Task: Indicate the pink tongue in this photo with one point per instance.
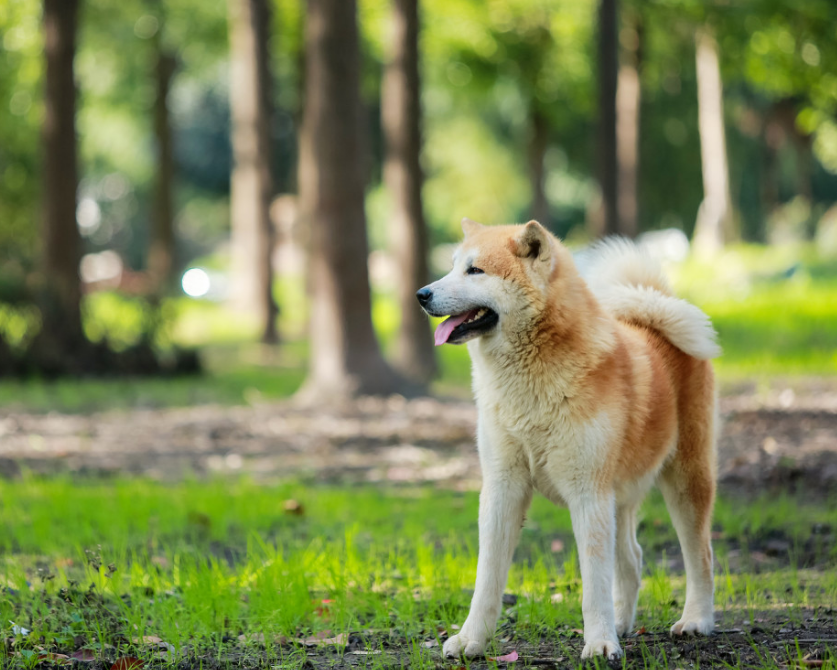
(444, 329)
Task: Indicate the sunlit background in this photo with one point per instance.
(505, 86)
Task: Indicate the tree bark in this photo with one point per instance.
(538, 144)
(401, 116)
(61, 251)
(628, 98)
(608, 67)
(714, 220)
(161, 251)
(345, 358)
(251, 188)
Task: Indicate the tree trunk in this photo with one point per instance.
(714, 219)
(401, 116)
(628, 98)
(61, 252)
(608, 66)
(161, 252)
(345, 358)
(251, 188)
(538, 144)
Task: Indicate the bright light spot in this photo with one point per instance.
(88, 216)
(101, 267)
(195, 282)
(810, 54)
(146, 26)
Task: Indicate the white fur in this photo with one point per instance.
(632, 286)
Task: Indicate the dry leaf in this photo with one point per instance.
(320, 640)
(84, 655)
(127, 663)
(58, 659)
(294, 507)
(430, 644)
(146, 639)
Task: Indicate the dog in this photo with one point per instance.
(589, 390)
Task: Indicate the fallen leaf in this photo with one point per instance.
(455, 627)
(557, 598)
(642, 631)
(127, 663)
(84, 655)
(146, 639)
(58, 659)
(294, 507)
(430, 644)
(511, 657)
(320, 641)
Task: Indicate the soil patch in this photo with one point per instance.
(784, 440)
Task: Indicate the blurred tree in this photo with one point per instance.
(715, 215)
(628, 98)
(608, 69)
(161, 251)
(401, 113)
(345, 358)
(251, 190)
(61, 251)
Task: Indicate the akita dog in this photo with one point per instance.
(590, 391)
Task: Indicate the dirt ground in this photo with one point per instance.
(784, 438)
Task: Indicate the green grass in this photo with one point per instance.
(93, 564)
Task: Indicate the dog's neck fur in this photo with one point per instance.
(568, 336)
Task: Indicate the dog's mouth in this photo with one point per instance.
(459, 328)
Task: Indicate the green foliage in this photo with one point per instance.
(20, 112)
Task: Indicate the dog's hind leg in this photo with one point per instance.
(628, 568)
(504, 500)
(688, 485)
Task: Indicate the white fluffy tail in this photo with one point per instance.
(631, 285)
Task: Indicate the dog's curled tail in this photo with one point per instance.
(632, 286)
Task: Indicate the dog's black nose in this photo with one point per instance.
(424, 295)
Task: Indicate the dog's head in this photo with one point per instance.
(499, 282)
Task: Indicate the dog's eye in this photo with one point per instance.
(474, 271)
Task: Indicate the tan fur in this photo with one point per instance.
(588, 391)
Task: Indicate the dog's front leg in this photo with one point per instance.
(594, 525)
(503, 503)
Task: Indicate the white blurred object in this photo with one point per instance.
(196, 282)
(670, 244)
(88, 216)
(104, 267)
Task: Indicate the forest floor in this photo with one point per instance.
(785, 438)
(284, 537)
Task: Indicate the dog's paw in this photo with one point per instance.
(610, 649)
(462, 645)
(694, 626)
(623, 627)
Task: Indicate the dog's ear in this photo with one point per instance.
(469, 226)
(533, 242)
